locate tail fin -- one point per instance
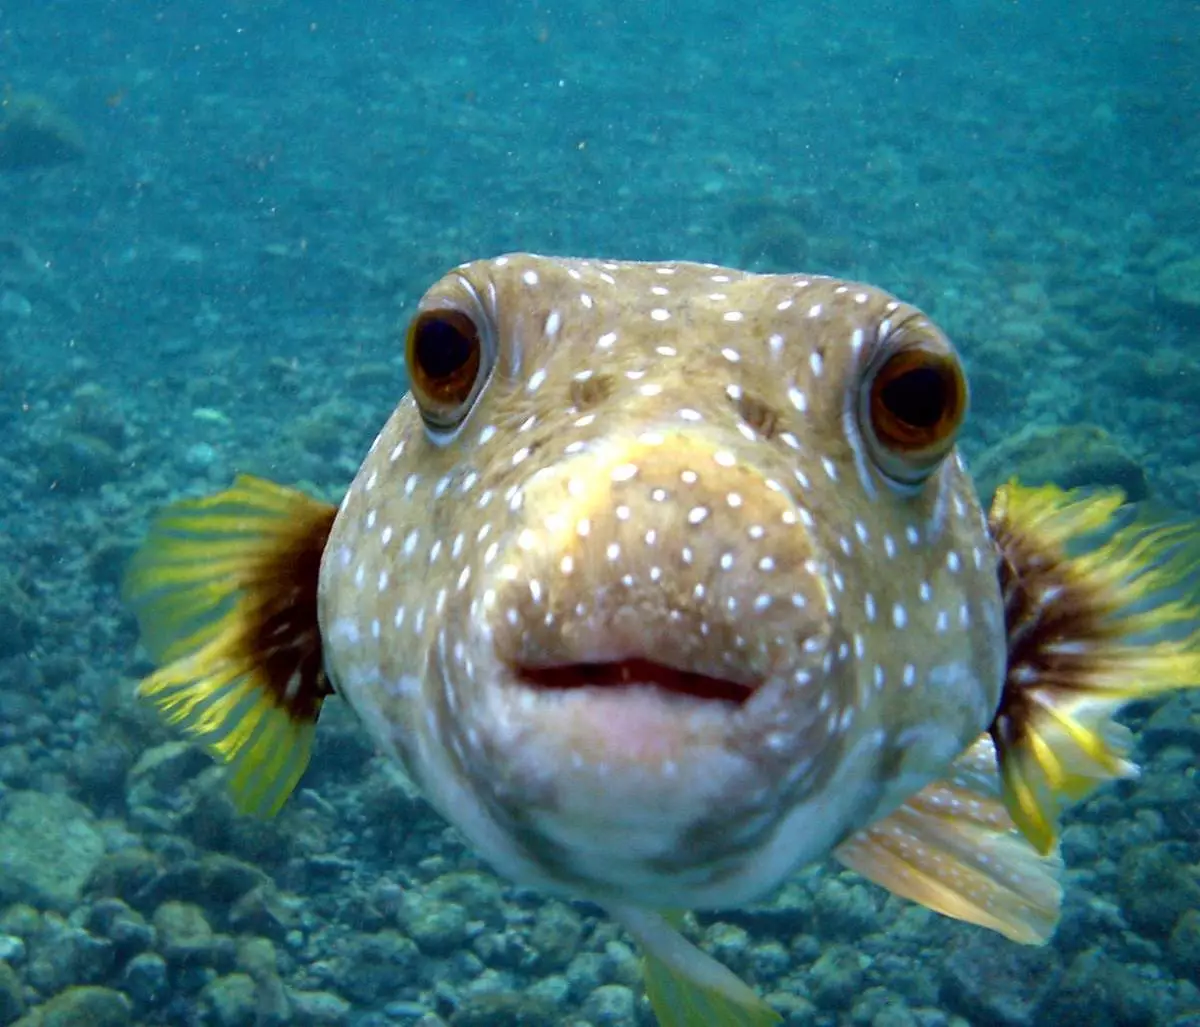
(225, 591)
(685, 985)
(1101, 609)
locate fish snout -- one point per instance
(664, 560)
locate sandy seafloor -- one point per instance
(266, 190)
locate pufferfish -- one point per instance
(666, 579)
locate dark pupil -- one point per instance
(442, 348)
(917, 397)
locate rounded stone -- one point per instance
(1177, 290)
(610, 1005)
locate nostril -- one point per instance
(757, 414)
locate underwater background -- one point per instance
(214, 217)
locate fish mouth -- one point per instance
(637, 672)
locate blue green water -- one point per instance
(264, 192)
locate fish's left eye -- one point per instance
(914, 402)
(444, 353)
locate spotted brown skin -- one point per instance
(667, 473)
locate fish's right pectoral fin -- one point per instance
(954, 848)
(225, 589)
(686, 986)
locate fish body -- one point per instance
(666, 466)
(667, 579)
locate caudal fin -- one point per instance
(1101, 609)
(685, 985)
(225, 592)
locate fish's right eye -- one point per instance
(444, 353)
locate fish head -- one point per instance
(666, 577)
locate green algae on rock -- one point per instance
(1069, 456)
(1177, 290)
(35, 134)
(81, 1007)
(49, 847)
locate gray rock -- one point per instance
(1106, 991)
(625, 966)
(49, 847)
(1070, 456)
(555, 989)
(378, 967)
(184, 934)
(730, 945)
(62, 954)
(611, 1005)
(1155, 887)
(126, 928)
(1177, 290)
(1175, 722)
(995, 983)
(586, 972)
(1184, 945)
(556, 934)
(836, 977)
(844, 910)
(163, 770)
(504, 1009)
(12, 995)
(19, 629)
(229, 1001)
(319, 1009)
(145, 979)
(81, 1007)
(439, 928)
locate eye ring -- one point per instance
(913, 403)
(444, 353)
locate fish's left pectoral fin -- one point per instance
(1102, 606)
(954, 849)
(686, 986)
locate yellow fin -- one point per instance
(953, 848)
(225, 592)
(1101, 610)
(686, 986)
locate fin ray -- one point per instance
(224, 589)
(954, 849)
(1102, 608)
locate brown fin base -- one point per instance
(1100, 610)
(225, 590)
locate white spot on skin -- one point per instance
(535, 380)
(529, 277)
(659, 314)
